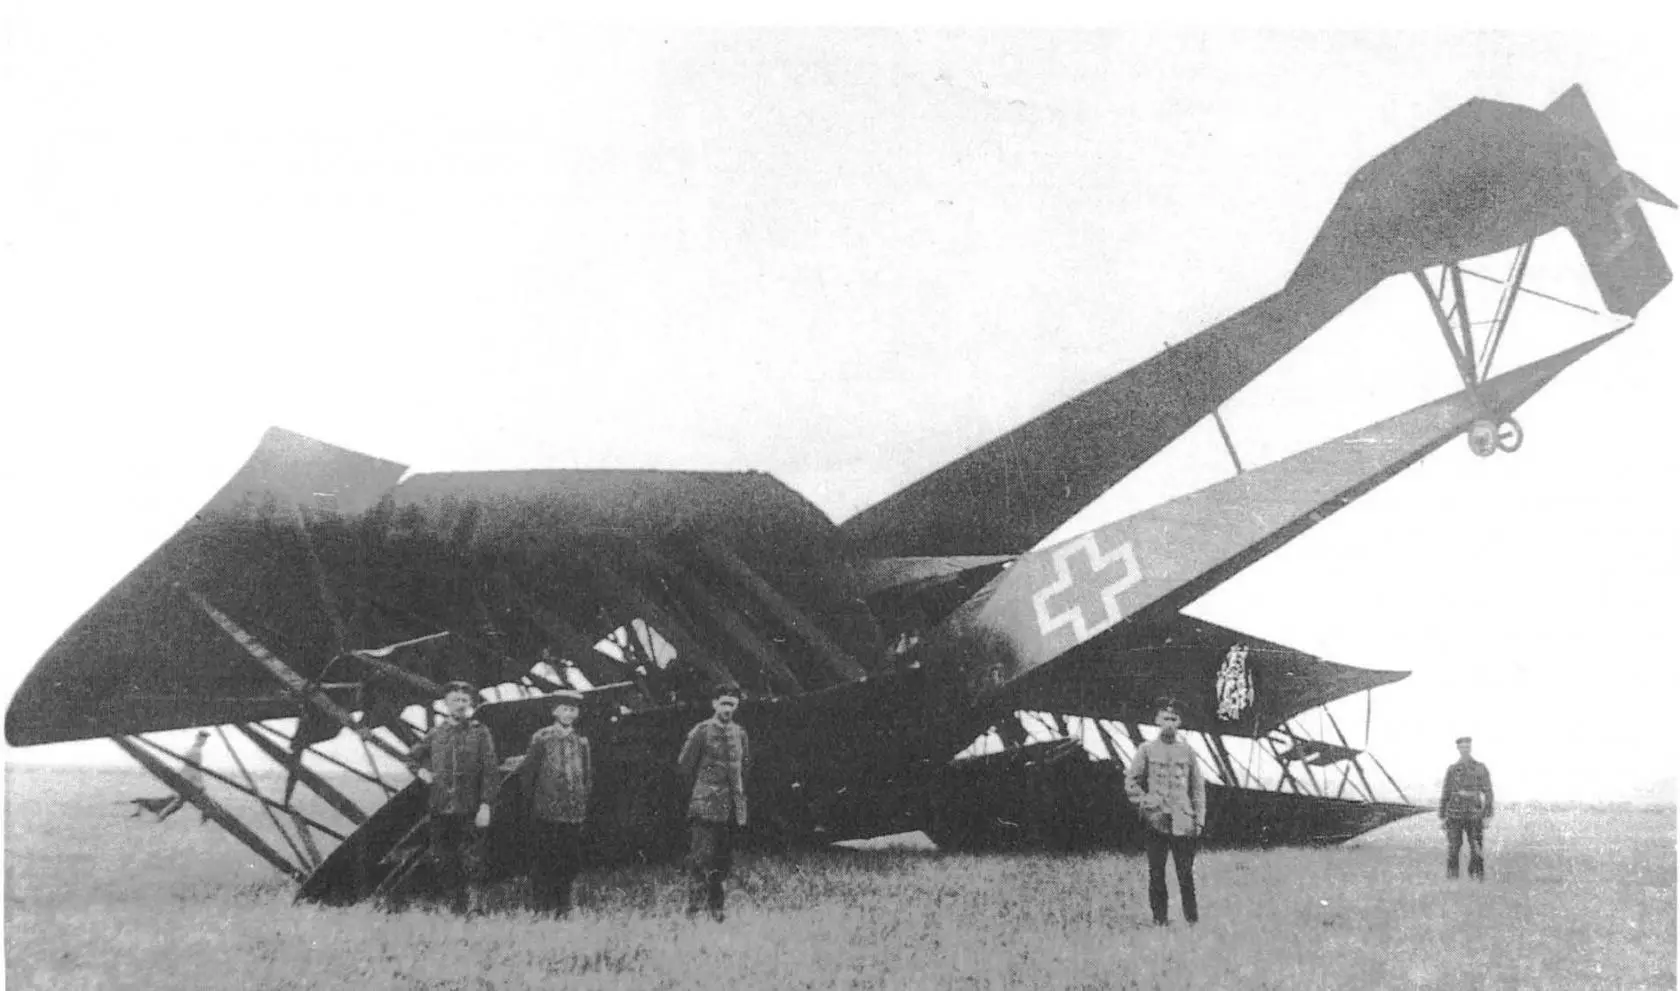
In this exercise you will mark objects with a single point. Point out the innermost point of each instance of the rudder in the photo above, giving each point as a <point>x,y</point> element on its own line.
<point>1615,239</point>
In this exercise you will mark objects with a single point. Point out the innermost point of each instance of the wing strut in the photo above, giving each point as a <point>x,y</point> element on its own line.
<point>638,605</point>
<point>841,663</point>
<point>340,802</point>
<point>294,682</point>
<point>372,779</point>
<point>1507,300</point>
<point>302,848</point>
<point>1486,436</point>
<point>1225,435</point>
<point>209,806</point>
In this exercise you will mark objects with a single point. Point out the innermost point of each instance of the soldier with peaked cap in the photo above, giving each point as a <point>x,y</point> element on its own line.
<point>457,759</point>
<point>1466,805</point>
<point>714,765</point>
<point>557,775</point>
<point>1166,785</point>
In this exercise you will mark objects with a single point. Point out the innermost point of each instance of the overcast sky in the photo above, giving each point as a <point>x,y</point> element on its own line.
<point>495,240</point>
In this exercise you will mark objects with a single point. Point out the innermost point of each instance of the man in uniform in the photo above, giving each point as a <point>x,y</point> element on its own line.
<point>191,769</point>
<point>1167,787</point>
<point>1466,805</point>
<point>458,760</point>
<point>556,777</point>
<point>713,764</point>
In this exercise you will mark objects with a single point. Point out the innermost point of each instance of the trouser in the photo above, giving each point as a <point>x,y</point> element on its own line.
<point>556,857</point>
<point>1183,850</point>
<point>453,839</point>
<point>710,849</point>
<point>1457,831</point>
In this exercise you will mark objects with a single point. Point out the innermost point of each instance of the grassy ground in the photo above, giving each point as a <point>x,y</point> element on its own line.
<point>1576,897</point>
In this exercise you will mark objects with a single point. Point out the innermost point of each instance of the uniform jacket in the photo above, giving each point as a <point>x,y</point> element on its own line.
<point>557,775</point>
<point>462,759</point>
<point>714,758</point>
<point>1467,792</point>
<point>1167,787</point>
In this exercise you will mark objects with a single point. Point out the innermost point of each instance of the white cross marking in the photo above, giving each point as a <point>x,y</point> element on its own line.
<point>1098,562</point>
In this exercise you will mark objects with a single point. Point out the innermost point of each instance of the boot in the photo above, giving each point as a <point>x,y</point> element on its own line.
<point>715,896</point>
<point>475,902</point>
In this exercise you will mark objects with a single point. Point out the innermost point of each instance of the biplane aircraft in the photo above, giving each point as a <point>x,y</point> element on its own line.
<point>322,596</point>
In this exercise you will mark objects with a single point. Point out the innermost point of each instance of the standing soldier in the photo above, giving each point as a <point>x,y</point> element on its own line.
<point>458,760</point>
<point>1466,805</point>
<point>192,770</point>
<point>556,776</point>
<point>1167,787</point>
<point>714,765</point>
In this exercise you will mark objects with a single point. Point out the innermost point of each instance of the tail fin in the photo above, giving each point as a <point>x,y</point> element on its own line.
<point>1612,232</point>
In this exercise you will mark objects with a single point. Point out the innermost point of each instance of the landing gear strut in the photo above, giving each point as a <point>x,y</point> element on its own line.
<point>1493,430</point>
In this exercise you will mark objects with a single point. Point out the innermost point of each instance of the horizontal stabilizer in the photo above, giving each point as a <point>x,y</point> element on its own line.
<point>1057,598</point>
<point>1648,192</point>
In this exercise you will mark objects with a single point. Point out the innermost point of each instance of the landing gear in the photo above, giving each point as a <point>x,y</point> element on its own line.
<point>1493,430</point>
<point>1487,437</point>
<point>1510,435</point>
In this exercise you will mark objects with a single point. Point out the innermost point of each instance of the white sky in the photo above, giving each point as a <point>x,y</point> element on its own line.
<point>491,239</point>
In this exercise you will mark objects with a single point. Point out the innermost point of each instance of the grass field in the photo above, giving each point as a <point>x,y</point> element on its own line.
<point>1576,897</point>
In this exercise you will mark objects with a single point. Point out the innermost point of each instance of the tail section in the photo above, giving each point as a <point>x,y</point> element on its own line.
<point>1056,598</point>
<point>1611,229</point>
<point>1484,178</point>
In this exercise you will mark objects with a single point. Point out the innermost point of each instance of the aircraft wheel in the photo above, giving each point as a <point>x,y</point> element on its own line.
<point>1509,435</point>
<point>1483,438</point>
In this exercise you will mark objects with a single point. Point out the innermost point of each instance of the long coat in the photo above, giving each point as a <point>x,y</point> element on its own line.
<point>714,758</point>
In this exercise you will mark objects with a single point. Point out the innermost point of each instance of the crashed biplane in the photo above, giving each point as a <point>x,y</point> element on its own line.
<point>322,595</point>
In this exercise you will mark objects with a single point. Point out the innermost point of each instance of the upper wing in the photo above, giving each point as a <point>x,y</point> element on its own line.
<point>144,657</point>
<point>317,551</point>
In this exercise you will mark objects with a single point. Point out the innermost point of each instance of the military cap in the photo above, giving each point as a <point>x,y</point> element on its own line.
<point>1462,739</point>
<point>460,686</point>
<point>723,690</point>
